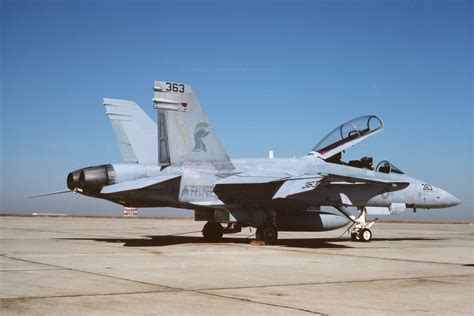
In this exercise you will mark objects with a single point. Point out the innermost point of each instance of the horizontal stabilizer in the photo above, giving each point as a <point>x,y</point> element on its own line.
<point>137,184</point>
<point>295,186</point>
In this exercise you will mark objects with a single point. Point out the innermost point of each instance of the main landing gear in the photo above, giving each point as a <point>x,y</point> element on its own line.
<point>213,231</point>
<point>360,229</point>
<point>266,229</point>
<point>267,233</point>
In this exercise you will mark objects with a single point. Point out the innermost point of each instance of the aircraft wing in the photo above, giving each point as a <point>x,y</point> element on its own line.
<point>245,187</point>
<point>136,184</point>
<point>296,185</point>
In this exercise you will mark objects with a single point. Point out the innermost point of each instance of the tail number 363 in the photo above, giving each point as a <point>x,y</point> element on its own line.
<point>175,87</point>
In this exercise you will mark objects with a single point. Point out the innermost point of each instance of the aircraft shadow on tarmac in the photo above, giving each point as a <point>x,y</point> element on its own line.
<point>169,240</point>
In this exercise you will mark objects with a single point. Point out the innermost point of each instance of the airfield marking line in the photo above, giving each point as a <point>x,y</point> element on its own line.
<point>357,256</point>
<point>260,303</point>
<point>303,284</point>
<point>93,273</point>
<point>153,292</point>
<point>24,253</point>
<point>202,291</point>
<point>81,295</point>
<point>171,289</point>
<point>336,282</point>
<point>230,288</point>
<point>395,259</point>
<point>91,235</point>
<point>27,270</point>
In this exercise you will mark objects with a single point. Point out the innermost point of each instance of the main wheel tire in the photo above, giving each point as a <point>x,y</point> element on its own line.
<point>365,235</point>
<point>212,231</point>
<point>355,237</point>
<point>267,233</point>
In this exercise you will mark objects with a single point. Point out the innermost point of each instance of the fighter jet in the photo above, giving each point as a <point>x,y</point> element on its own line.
<point>180,163</point>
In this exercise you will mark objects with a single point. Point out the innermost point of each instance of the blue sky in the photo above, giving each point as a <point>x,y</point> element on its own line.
<point>270,74</point>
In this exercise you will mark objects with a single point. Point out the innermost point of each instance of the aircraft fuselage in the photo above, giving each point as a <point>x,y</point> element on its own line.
<point>196,185</point>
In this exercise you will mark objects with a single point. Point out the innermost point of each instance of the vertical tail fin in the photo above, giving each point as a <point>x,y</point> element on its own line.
<point>185,134</point>
<point>134,130</point>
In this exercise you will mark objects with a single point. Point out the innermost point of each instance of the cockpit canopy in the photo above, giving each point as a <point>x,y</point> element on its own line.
<point>348,134</point>
<point>386,167</point>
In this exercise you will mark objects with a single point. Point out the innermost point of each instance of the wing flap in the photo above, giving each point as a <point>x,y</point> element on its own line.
<point>136,184</point>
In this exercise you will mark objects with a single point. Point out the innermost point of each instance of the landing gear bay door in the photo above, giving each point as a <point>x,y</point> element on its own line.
<point>348,134</point>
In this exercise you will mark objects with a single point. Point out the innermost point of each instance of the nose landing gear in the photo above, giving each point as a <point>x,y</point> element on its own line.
<point>360,229</point>
<point>364,235</point>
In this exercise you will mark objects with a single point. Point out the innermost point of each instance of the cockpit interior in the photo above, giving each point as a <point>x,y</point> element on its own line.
<point>383,166</point>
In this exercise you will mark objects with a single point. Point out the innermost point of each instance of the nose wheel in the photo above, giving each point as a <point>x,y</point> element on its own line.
<point>364,235</point>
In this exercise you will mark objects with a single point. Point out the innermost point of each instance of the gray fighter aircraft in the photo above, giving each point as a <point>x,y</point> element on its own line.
<point>180,163</point>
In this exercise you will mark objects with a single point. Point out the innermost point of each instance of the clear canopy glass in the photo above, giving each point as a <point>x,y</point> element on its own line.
<point>386,167</point>
<point>349,132</point>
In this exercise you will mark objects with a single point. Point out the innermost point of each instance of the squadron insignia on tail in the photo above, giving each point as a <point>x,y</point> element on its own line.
<point>200,131</point>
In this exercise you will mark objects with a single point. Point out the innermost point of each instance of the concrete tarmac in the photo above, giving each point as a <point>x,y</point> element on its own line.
<point>102,266</point>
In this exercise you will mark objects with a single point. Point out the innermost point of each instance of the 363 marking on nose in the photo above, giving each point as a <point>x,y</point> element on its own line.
<point>427,187</point>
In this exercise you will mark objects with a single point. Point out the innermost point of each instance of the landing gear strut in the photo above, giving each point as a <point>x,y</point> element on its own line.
<point>360,229</point>
<point>212,231</point>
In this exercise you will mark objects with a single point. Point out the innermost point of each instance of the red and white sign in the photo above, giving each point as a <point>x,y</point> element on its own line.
<point>130,212</point>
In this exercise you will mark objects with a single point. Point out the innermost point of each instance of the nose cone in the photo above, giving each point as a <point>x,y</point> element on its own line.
<point>448,199</point>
